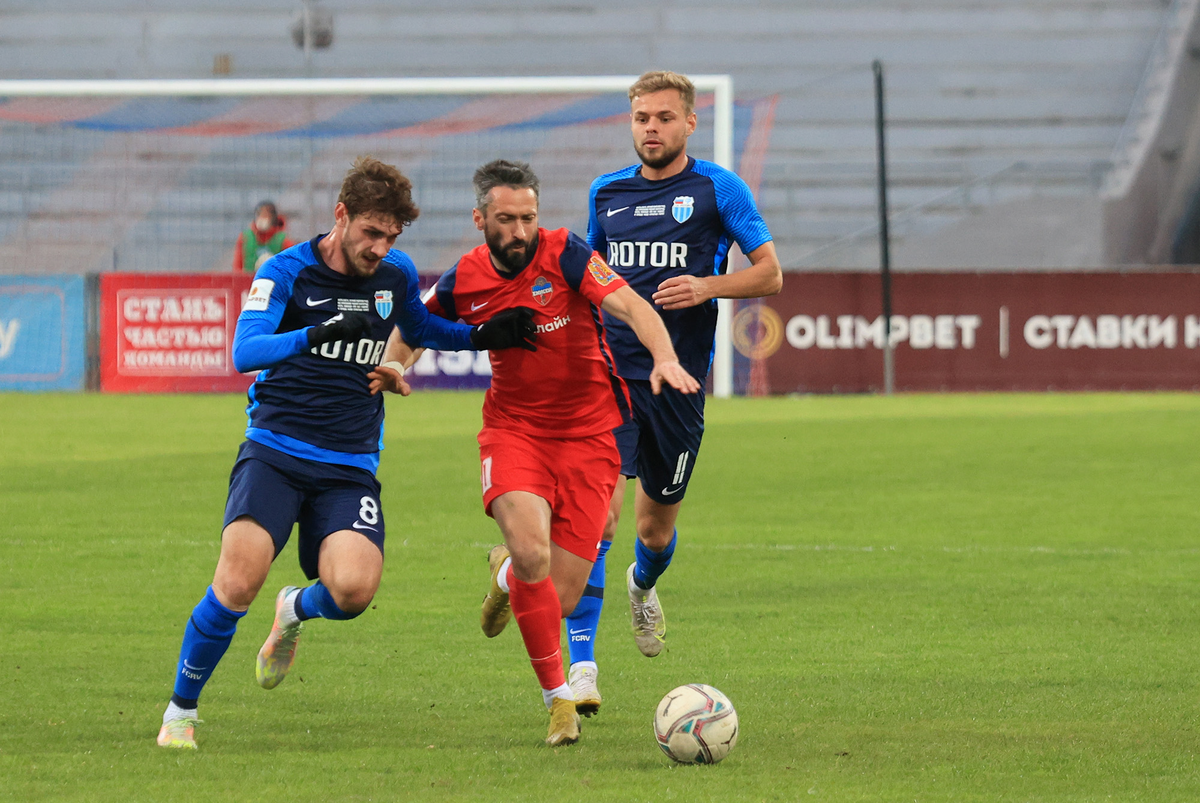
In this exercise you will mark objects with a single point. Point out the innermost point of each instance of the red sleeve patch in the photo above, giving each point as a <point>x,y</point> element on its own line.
<point>600,271</point>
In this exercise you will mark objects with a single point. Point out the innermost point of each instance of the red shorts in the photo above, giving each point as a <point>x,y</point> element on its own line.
<point>575,476</point>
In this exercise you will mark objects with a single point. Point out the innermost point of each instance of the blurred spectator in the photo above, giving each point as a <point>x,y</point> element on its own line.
<point>265,237</point>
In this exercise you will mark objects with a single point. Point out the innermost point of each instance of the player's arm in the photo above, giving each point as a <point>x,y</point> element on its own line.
<point>417,325</point>
<point>399,356</point>
<point>510,328</point>
<point>597,240</point>
<point>389,374</point>
<point>258,346</point>
<point>742,220</point>
<point>257,342</point>
<point>420,328</point>
<point>626,305</point>
<point>763,277</point>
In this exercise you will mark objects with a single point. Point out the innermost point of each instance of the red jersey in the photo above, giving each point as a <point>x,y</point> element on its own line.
<point>565,389</point>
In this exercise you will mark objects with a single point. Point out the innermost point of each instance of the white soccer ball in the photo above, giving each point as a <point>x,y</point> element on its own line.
<point>696,724</point>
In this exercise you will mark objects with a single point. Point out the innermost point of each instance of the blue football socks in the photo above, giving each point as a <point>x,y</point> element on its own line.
<point>583,621</point>
<point>316,602</point>
<point>205,639</point>
<point>650,565</point>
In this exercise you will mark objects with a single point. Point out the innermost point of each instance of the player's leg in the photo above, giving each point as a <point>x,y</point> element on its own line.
<point>350,568</point>
<point>569,574</point>
<point>587,476</point>
<point>347,564</point>
<point>667,454</point>
<point>582,624</point>
<point>524,519</point>
<point>584,620</point>
<point>516,478</point>
<point>646,615</point>
<point>656,536</point>
<point>246,554</point>
<point>514,461</point>
<point>257,493</point>
<point>574,577</point>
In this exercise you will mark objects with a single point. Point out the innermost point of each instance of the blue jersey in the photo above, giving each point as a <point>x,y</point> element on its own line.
<point>315,403</point>
<point>653,230</point>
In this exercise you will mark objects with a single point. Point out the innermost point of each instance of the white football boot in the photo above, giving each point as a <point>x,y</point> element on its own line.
<point>582,680</point>
<point>649,624</point>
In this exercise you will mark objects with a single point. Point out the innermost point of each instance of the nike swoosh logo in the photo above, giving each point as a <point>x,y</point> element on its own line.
<point>193,668</point>
<point>318,302</point>
<point>573,632</point>
<point>475,306</point>
<point>358,526</point>
<point>612,212</point>
<point>668,491</point>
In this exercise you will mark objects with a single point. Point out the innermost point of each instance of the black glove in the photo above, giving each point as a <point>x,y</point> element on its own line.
<point>347,326</point>
<point>505,330</point>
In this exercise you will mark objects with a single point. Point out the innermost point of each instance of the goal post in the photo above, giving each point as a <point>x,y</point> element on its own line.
<point>30,206</point>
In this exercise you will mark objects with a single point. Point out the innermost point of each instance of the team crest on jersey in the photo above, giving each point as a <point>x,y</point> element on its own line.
<point>383,303</point>
<point>542,290</point>
<point>600,271</point>
<point>683,207</point>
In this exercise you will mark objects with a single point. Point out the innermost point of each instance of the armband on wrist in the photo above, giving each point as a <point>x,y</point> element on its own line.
<point>396,366</point>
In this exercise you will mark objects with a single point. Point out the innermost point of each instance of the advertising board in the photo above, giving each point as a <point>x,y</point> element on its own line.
<point>973,331</point>
<point>43,342</point>
<point>170,333</point>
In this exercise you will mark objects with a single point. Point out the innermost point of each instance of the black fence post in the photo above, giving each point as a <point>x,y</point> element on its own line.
<point>885,258</point>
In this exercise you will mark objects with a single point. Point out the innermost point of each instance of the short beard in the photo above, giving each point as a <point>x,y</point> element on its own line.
<point>514,263</point>
<point>662,161</point>
<point>352,266</point>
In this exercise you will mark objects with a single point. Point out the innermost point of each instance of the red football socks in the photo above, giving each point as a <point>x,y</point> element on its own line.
<point>539,616</point>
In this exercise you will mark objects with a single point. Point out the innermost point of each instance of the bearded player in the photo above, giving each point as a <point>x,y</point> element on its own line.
<point>548,456</point>
<point>665,225</point>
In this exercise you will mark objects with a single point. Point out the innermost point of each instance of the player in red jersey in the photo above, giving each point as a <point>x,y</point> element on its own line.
<point>549,458</point>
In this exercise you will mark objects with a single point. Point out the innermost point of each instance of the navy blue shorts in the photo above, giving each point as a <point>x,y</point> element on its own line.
<point>660,443</point>
<point>278,490</point>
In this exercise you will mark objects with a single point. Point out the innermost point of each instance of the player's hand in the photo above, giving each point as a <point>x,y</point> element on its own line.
<point>681,292</point>
<point>505,330</point>
<point>674,375</point>
<point>387,377</point>
<point>343,326</point>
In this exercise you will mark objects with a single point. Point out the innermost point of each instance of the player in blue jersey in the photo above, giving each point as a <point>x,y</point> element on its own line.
<point>665,225</point>
<point>322,325</point>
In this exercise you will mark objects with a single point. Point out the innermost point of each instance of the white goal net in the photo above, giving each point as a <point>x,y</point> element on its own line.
<point>161,176</point>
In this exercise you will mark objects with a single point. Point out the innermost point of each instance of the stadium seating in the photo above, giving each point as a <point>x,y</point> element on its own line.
<point>991,103</point>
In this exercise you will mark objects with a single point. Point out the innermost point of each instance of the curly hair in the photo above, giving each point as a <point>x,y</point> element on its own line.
<point>372,187</point>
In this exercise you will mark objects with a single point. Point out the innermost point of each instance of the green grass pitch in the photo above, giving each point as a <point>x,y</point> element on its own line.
<point>933,598</point>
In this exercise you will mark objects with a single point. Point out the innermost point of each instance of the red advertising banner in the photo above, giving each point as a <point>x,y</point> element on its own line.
<point>981,331</point>
<point>168,333</point>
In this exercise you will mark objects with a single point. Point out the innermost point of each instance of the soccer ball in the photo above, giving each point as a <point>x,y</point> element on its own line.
<point>696,724</point>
